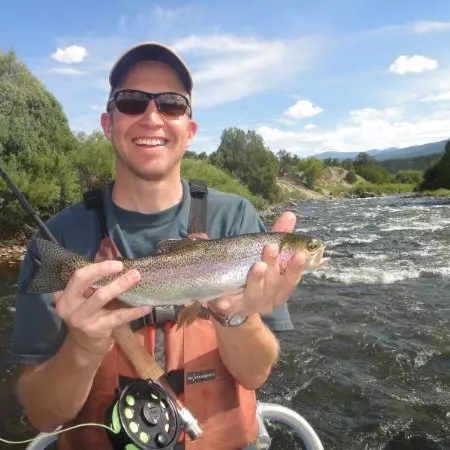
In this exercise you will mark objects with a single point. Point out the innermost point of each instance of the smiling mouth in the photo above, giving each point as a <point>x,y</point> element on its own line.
<point>149,142</point>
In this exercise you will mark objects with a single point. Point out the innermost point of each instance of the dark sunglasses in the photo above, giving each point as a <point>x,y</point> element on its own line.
<point>133,102</point>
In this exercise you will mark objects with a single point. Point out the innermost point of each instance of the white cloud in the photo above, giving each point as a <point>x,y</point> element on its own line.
<point>430,86</point>
<point>391,31</point>
<point>310,126</point>
<point>363,129</point>
<point>302,109</point>
<point>417,64</point>
<point>70,54</point>
<point>67,71</point>
<point>160,13</point>
<point>437,97</point>
<point>430,27</point>
<point>219,44</point>
<point>228,68</point>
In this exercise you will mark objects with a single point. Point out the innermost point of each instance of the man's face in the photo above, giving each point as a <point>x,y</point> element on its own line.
<point>150,145</point>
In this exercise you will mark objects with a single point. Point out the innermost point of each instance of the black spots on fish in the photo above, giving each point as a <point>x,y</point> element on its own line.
<point>173,245</point>
<point>55,267</point>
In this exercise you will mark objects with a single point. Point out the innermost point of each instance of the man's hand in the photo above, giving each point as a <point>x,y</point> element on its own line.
<point>85,310</point>
<point>267,285</point>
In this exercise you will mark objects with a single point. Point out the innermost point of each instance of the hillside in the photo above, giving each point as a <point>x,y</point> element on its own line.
<point>417,163</point>
<point>331,178</point>
<point>293,191</point>
<point>431,148</point>
<point>334,176</point>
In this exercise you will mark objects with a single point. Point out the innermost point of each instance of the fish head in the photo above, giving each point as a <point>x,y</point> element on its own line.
<point>294,242</point>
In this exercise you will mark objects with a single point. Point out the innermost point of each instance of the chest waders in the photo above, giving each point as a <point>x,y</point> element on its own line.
<point>145,413</point>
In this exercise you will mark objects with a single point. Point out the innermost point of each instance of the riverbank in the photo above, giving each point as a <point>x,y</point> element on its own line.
<point>12,253</point>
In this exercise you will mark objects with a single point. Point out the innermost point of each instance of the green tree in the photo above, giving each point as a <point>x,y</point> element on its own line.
<point>438,173</point>
<point>284,159</point>
<point>35,145</point>
<point>193,155</point>
<point>93,160</point>
<point>347,164</point>
<point>350,177</point>
<point>408,177</point>
<point>244,155</point>
<point>287,164</point>
<point>330,162</point>
<point>368,167</point>
<point>218,179</point>
<point>312,169</point>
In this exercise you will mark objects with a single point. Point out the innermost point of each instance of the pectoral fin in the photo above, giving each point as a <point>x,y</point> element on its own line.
<point>189,314</point>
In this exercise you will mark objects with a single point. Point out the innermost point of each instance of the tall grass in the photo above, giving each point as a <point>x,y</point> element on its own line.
<point>218,179</point>
<point>437,193</point>
<point>377,189</point>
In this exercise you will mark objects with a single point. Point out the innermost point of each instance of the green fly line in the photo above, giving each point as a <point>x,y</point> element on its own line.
<point>55,433</point>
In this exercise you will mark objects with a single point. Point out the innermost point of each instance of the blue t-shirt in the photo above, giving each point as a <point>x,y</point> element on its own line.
<point>39,332</point>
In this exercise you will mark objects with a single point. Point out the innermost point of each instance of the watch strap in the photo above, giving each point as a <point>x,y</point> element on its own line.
<point>228,321</point>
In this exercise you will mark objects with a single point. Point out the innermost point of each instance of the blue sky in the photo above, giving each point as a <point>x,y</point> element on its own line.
<point>308,76</point>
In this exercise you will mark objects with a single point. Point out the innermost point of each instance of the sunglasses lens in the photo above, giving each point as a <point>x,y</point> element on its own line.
<point>136,102</point>
<point>172,104</point>
<point>131,102</point>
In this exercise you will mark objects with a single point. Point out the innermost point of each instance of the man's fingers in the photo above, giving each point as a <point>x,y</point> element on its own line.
<point>271,258</point>
<point>285,223</point>
<point>254,291</point>
<point>291,276</point>
<point>226,303</point>
<point>75,293</point>
<point>90,274</point>
<point>102,296</point>
<point>122,316</point>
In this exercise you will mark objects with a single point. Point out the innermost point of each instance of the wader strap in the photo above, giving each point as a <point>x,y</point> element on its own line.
<point>94,200</point>
<point>197,217</point>
<point>158,316</point>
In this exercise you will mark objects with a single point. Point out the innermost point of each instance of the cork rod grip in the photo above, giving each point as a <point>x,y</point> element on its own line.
<point>144,364</point>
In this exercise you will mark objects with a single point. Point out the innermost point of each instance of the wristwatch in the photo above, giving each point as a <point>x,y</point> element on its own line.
<point>228,321</point>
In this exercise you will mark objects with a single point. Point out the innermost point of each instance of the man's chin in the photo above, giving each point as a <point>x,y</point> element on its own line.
<point>153,174</point>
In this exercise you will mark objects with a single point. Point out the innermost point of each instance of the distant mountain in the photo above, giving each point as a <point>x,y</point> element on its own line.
<point>390,153</point>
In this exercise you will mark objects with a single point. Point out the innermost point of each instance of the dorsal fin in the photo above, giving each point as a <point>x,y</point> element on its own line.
<point>172,245</point>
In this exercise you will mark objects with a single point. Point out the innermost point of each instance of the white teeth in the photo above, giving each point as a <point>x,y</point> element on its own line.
<point>149,141</point>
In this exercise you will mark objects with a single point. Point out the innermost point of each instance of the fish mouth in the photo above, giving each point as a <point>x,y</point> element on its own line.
<point>316,258</point>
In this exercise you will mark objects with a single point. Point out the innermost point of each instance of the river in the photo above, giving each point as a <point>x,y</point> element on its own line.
<point>368,364</point>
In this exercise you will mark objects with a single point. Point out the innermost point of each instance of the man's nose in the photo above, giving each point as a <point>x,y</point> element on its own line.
<point>152,114</point>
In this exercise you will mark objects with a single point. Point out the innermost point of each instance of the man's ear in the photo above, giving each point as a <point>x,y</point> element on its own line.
<point>191,132</point>
<point>106,122</point>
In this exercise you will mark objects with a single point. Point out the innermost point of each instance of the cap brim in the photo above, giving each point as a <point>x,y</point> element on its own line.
<point>150,51</point>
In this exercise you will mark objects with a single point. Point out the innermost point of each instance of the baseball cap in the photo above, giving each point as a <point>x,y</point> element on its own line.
<point>150,51</point>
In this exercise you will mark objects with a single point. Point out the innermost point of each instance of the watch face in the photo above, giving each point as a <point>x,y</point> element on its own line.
<point>236,320</point>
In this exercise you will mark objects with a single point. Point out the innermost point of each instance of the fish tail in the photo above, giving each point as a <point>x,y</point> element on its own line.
<point>55,266</point>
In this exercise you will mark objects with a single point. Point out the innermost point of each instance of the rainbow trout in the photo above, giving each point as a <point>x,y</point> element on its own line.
<point>182,270</point>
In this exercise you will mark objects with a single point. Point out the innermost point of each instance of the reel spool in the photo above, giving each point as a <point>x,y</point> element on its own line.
<point>145,415</point>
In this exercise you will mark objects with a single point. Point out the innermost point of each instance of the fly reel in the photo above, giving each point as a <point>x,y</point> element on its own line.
<point>144,416</point>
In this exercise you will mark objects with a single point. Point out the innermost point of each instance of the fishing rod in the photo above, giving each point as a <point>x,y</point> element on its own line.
<point>146,412</point>
<point>23,201</point>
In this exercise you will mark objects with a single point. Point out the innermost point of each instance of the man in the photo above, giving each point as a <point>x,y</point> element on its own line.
<point>71,366</point>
